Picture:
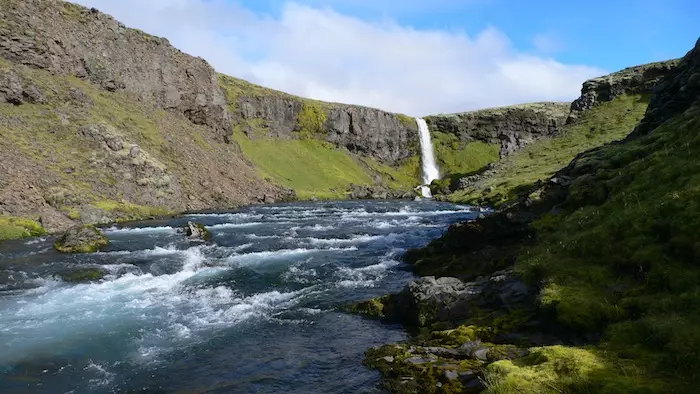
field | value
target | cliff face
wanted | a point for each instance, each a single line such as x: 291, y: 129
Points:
x: 510, y: 127
x: 71, y: 40
x: 387, y: 137
x: 632, y: 80
x: 100, y: 122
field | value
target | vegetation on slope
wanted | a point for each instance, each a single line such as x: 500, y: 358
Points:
x: 305, y: 162
x: 606, y: 122
x: 14, y: 228
x: 455, y: 159
x: 311, y: 167
x: 176, y: 165
x: 622, y: 259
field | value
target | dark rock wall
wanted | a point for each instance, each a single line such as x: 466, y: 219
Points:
x: 511, y: 127
x: 71, y: 40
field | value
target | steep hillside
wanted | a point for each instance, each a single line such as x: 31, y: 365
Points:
x: 607, y: 110
x: 100, y: 122
x: 585, y: 283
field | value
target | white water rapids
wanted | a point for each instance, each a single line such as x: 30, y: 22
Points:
x: 431, y: 171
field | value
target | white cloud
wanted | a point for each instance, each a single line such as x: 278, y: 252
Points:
x: 320, y: 53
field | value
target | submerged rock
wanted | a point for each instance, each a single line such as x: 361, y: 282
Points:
x: 82, y: 275
x: 81, y: 239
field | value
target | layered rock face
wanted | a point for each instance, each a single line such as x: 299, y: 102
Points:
x: 71, y: 40
x: 512, y: 127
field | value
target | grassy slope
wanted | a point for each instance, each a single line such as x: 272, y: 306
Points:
x: 605, y: 123
x: 310, y: 166
x: 455, y: 159
x: 623, y: 259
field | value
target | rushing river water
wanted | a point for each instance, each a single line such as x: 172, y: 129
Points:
x: 255, y: 310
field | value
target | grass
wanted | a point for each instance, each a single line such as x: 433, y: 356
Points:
x: 16, y: 228
x: 406, y: 176
x: 605, y: 123
x: 312, y: 168
x: 455, y: 158
x: 623, y: 260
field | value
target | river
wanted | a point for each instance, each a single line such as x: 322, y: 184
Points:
x: 255, y: 310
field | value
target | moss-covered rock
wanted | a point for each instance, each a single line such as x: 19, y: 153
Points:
x: 82, y: 275
x: 196, y: 231
x: 81, y: 239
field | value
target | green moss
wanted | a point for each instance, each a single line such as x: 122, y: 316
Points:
x: 125, y: 212
x: 605, y: 123
x: 15, y: 228
x: 455, y: 158
x: 64, y: 245
x: 73, y: 213
x: 82, y: 275
x: 408, y: 121
x: 312, y: 168
x: 371, y: 308
x: 199, y: 140
x: 560, y: 369
x: 75, y: 12
x: 312, y: 119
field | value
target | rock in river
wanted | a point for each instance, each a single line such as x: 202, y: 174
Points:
x: 81, y: 239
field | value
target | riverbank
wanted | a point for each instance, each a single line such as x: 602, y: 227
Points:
x: 585, y: 282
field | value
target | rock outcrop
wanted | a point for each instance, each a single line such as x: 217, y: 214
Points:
x: 72, y: 40
x: 196, y: 231
x: 387, y: 137
x: 431, y: 300
x: 511, y: 127
x: 81, y: 239
x: 638, y: 79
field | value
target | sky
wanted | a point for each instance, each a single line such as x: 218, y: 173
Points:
x: 419, y: 57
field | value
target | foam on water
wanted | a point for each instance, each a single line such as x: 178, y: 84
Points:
x: 170, y: 302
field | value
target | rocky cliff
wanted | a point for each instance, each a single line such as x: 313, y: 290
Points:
x: 632, y: 80
x: 264, y: 113
x: 511, y: 128
x: 100, y: 122
x: 67, y: 39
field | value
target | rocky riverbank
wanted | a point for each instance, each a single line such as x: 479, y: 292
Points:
x: 585, y: 282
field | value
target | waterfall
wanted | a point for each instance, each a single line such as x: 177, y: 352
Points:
x: 430, y: 168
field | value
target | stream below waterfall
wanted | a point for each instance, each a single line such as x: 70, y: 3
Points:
x: 255, y: 310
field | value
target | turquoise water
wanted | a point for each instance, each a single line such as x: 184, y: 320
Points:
x: 255, y: 310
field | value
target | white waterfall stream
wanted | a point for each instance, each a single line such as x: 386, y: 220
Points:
x: 431, y: 171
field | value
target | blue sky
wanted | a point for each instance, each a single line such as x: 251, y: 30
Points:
x: 420, y: 56
x: 610, y: 34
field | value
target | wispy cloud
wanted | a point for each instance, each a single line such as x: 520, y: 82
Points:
x: 321, y: 53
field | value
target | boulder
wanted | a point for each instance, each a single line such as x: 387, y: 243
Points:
x: 196, y: 231
x: 430, y: 300
x: 81, y: 239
